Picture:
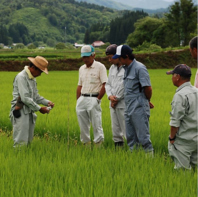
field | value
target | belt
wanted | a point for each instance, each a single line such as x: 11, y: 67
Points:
x: 90, y: 95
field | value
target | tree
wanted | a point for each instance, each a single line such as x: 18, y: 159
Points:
x: 3, y: 35
x: 19, y: 33
x: 144, y: 29
x: 182, y: 20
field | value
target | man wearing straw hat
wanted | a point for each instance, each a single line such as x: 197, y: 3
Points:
x: 26, y: 101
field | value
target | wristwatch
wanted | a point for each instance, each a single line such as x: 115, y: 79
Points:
x: 171, y: 139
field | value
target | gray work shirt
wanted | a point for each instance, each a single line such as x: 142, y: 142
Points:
x: 184, y: 112
x: 115, y: 84
x: 136, y: 77
x: 26, y: 88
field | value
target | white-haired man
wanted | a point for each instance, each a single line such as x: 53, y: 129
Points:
x: 90, y: 90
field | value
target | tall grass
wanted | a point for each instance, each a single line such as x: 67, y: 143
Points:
x: 56, y: 164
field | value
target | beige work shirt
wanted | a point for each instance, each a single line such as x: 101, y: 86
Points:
x: 91, y: 78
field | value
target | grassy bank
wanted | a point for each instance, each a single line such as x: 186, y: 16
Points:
x: 66, y: 60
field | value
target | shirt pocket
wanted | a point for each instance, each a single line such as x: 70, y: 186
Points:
x: 94, y: 79
x: 129, y: 82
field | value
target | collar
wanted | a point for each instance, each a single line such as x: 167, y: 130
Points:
x: 128, y: 68
x: 92, y: 66
x: 183, y: 85
x: 28, y: 72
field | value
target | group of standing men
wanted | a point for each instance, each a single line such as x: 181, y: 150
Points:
x: 129, y: 90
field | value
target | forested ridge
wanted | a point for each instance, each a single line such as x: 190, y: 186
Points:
x: 51, y: 21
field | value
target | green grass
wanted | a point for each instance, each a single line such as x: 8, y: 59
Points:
x: 69, y: 53
x: 57, y: 164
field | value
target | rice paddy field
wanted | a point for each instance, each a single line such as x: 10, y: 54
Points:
x: 58, y: 165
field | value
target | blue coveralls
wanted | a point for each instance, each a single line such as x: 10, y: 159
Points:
x: 137, y: 106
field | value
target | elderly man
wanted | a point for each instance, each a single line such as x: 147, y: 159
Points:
x: 194, y: 53
x: 137, y: 95
x: 184, y: 119
x: 115, y: 92
x: 26, y: 101
x: 90, y: 90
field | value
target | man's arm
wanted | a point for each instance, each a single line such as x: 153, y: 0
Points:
x: 148, y: 92
x: 173, y: 132
x: 78, y: 92
x: 102, y: 92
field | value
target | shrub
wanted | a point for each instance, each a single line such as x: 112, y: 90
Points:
x: 60, y: 45
x: 31, y: 46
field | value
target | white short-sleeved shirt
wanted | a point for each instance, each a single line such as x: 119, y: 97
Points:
x: 91, y: 78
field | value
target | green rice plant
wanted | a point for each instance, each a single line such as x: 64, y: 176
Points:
x: 51, y: 168
x: 57, y: 164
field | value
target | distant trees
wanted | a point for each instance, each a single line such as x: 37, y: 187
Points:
x: 121, y: 27
x: 182, y: 20
x: 144, y: 31
x: 172, y: 30
x: 19, y: 33
x: 3, y: 35
x: 115, y: 32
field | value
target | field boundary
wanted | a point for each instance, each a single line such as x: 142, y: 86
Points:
x: 159, y: 60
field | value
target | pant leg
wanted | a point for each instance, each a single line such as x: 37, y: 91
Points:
x: 32, y: 122
x: 121, y: 120
x: 183, y: 154
x: 95, y: 112
x: 83, y: 119
x: 21, y: 129
x: 117, y: 124
x: 140, y: 121
x: 131, y: 136
x: 193, y: 158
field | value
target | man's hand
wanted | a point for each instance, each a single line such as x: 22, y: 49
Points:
x: 50, y: 104
x: 113, y: 100
x: 151, y: 105
x: 44, y: 110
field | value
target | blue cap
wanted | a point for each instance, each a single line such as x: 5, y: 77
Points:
x: 181, y: 69
x: 87, y: 50
x: 122, y: 50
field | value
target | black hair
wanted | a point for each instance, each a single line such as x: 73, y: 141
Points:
x: 131, y: 56
x: 32, y: 65
x: 185, y: 78
x: 193, y: 42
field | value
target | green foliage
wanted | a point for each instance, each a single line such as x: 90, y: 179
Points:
x: 19, y: 46
x: 60, y: 45
x: 115, y: 32
x: 176, y: 27
x: 182, y: 21
x: 54, y: 167
x: 105, y: 45
x: 31, y: 46
x: 144, y: 31
x: 57, y: 164
x: 148, y: 47
x: 49, y: 19
x: 3, y: 34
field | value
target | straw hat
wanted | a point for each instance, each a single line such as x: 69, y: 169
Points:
x: 40, y: 62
